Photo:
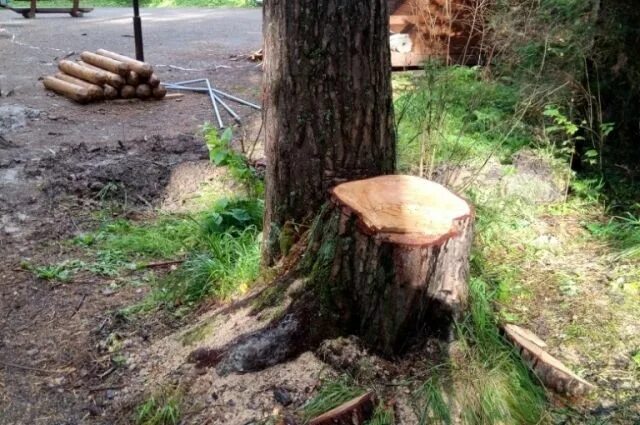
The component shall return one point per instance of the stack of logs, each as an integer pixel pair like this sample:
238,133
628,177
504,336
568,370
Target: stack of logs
105,75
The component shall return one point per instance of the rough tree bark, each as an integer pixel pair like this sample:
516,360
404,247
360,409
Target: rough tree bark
328,113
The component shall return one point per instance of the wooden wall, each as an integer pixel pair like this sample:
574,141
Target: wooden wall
448,29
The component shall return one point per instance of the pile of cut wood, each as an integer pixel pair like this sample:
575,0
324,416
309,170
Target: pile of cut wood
105,75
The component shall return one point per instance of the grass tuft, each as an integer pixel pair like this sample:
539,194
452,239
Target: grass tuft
383,415
623,233
332,394
229,265
160,409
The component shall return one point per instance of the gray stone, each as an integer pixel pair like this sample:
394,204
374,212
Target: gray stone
13,117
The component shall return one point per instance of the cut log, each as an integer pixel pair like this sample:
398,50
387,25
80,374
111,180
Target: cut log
110,92
143,91
143,69
112,78
354,412
159,92
66,89
84,73
128,92
153,81
133,79
105,63
551,371
95,91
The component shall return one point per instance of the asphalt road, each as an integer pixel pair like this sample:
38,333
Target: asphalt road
185,37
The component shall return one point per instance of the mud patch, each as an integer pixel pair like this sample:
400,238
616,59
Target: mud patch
135,172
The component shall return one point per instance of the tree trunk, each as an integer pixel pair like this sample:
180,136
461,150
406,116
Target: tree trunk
327,105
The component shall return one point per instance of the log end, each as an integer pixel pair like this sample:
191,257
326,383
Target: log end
110,92
143,91
405,210
159,92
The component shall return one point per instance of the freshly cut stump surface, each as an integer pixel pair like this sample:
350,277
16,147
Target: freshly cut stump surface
393,257
403,209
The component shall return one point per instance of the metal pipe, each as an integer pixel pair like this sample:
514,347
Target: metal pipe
237,99
182,83
229,110
215,105
178,86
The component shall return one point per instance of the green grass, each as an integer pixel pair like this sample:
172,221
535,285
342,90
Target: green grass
162,408
220,249
106,264
61,271
622,232
383,415
332,393
228,265
454,115
434,408
164,238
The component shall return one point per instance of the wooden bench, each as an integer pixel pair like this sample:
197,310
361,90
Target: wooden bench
30,12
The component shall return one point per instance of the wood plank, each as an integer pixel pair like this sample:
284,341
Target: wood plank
551,371
354,412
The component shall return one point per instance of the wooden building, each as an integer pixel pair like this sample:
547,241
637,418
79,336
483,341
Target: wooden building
448,29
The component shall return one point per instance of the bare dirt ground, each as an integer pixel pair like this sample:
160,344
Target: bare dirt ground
56,157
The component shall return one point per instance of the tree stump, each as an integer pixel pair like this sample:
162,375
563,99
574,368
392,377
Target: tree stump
389,257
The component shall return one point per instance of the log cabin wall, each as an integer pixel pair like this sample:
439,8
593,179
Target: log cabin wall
447,29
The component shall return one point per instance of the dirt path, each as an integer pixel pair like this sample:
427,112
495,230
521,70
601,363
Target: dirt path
56,157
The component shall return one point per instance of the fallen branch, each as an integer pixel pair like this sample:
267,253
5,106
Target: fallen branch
79,306
162,264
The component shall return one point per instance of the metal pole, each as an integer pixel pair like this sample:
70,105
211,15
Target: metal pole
215,105
175,86
137,31
228,109
184,83
237,99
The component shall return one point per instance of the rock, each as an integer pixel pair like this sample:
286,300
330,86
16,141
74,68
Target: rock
282,396
13,117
